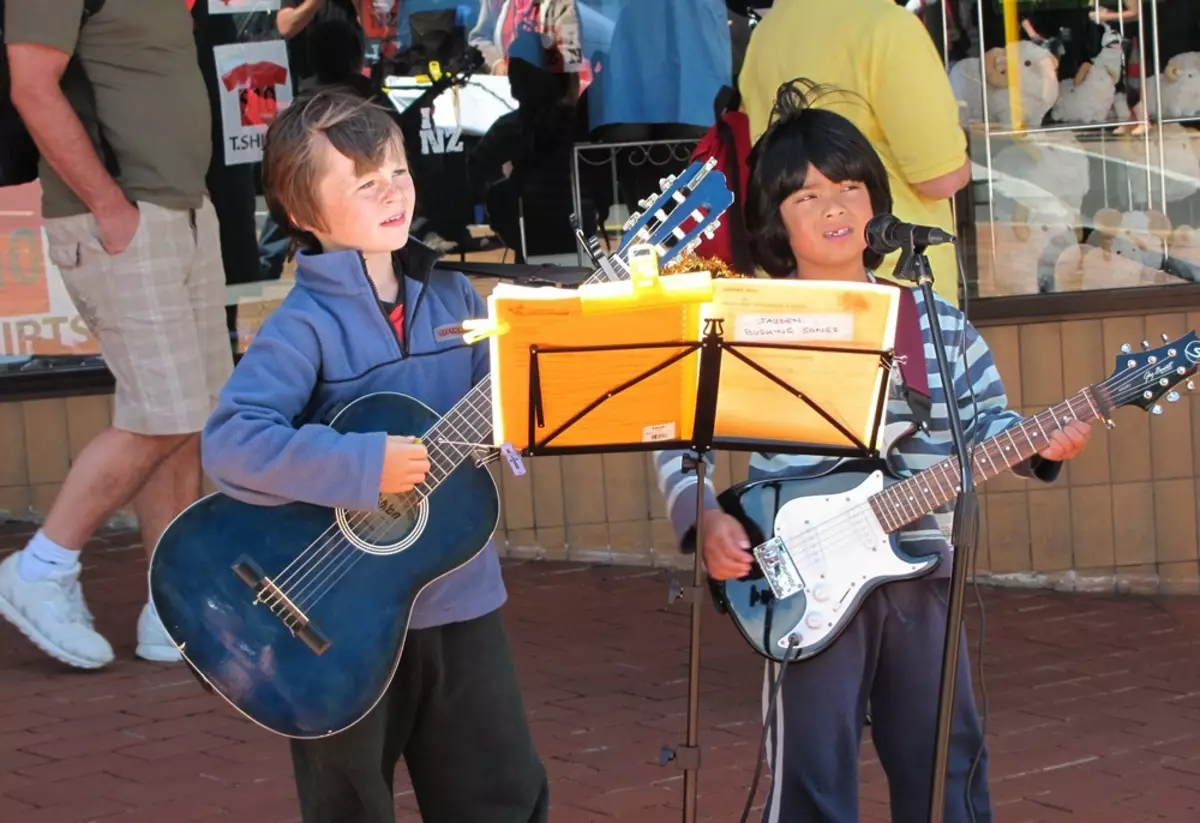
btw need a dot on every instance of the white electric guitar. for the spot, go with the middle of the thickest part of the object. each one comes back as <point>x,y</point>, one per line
<point>823,543</point>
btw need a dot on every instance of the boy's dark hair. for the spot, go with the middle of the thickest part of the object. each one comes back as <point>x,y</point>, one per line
<point>359,129</point>
<point>801,137</point>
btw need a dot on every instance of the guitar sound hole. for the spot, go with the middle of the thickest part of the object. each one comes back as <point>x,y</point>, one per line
<point>393,527</point>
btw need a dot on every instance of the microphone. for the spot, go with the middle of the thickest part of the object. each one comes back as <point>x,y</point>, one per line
<point>885,234</point>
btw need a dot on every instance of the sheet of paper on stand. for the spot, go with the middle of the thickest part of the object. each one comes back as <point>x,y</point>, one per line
<point>819,316</point>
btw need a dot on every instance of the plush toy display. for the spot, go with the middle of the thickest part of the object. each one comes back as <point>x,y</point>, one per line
<point>1088,97</point>
<point>1051,164</point>
<point>1183,254</point>
<point>1179,87</point>
<point>1038,77</point>
<point>1018,251</point>
<point>1178,173</point>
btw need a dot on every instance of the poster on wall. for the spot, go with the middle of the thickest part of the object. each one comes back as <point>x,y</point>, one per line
<point>240,6</point>
<point>255,86</point>
<point>36,313</point>
<point>380,18</point>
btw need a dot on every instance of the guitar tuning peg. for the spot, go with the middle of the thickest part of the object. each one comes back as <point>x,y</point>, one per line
<point>1156,410</point>
<point>1173,397</point>
<point>1191,385</point>
<point>1145,344</point>
<point>1166,339</point>
<point>1126,348</point>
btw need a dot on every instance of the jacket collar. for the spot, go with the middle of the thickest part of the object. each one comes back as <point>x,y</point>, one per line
<point>342,272</point>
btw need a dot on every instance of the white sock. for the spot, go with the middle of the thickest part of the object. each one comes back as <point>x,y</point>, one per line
<point>43,557</point>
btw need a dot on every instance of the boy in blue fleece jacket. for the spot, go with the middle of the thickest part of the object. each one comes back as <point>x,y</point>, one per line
<point>369,313</point>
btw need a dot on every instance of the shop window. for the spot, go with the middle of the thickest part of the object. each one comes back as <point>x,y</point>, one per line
<point>1084,125</point>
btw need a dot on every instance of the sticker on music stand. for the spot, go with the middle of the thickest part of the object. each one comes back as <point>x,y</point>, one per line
<point>255,85</point>
<point>240,6</point>
<point>515,463</point>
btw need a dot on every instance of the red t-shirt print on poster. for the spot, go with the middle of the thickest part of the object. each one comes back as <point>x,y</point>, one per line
<point>256,96</point>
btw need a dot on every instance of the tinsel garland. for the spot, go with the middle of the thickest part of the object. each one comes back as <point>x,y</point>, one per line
<point>689,262</point>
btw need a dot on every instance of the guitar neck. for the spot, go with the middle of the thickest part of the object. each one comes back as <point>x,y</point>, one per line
<point>468,426</point>
<point>910,500</point>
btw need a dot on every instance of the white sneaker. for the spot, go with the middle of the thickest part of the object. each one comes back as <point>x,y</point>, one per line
<point>52,613</point>
<point>154,643</point>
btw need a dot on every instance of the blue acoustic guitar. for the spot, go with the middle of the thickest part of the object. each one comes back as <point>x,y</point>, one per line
<point>297,614</point>
<point>822,544</point>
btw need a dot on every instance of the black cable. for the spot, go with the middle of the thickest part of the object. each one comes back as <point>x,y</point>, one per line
<point>975,761</point>
<point>767,719</point>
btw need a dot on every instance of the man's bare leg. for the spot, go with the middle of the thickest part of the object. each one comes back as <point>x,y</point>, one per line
<point>39,586</point>
<point>107,474</point>
<point>172,487</point>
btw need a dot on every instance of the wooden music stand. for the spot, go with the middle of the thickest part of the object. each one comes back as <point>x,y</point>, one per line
<point>661,382</point>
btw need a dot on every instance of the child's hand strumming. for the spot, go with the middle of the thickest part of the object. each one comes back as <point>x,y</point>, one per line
<point>405,464</point>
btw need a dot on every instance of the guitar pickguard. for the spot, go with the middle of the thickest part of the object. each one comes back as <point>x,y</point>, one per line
<point>828,550</point>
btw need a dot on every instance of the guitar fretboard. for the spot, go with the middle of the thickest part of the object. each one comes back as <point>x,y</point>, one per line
<point>909,500</point>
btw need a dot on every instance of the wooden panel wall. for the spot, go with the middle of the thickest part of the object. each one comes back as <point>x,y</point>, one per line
<point>1123,515</point>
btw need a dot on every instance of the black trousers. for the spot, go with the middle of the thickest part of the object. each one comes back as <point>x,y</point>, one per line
<point>889,657</point>
<point>454,713</point>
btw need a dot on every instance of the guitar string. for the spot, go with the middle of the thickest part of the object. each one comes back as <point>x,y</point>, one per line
<point>286,580</point>
<point>331,545</point>
<point>338,567</point>
<point>1118,392</point>
<point>294,587</point>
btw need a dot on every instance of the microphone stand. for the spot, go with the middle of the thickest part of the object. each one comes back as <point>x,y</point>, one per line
<point>914,265</point>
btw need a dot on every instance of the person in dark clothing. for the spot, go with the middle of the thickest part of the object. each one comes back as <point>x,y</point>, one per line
<point>231,188</point>
<point>299,21</point>
<point>535,143</point>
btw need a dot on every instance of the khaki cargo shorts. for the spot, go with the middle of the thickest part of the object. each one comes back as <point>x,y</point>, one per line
<point>157,310</point>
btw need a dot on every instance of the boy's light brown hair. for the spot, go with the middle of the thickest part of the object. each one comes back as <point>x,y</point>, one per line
<point>361,130</point>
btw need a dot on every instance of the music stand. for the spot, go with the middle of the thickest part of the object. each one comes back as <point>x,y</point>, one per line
<point>709,349</point>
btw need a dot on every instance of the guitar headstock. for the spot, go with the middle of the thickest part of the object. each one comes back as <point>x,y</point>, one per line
<point>1143,378</point>
<point>674,219</point>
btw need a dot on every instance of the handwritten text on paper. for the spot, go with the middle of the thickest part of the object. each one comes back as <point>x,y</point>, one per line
<point>794,327</point>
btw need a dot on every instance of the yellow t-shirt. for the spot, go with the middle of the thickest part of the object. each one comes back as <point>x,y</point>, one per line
<point>898,96</point>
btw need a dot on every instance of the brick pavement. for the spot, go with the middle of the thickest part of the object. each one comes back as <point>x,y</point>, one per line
<point>1095,710</point>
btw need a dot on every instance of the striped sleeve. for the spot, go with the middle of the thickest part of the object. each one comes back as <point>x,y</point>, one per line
<point>976,374</point>
<point>678,489</point>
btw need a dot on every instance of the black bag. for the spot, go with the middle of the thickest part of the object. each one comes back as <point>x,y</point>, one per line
<point>18,154</point>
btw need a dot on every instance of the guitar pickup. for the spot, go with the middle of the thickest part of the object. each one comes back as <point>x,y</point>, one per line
<point>778,568</point>
<point>269,594</point>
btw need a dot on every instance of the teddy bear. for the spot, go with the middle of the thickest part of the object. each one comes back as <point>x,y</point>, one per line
<point>1088,97</point>
<point>1038,73</point>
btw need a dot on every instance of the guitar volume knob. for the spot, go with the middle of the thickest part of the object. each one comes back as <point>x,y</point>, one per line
<point>820,593</point>
<point>814,620</point>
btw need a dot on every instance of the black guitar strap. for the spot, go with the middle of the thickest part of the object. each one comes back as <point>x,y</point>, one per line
<point>910,359</point>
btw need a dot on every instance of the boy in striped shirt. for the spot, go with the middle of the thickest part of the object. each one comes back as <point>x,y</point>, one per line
<point>815,183</point>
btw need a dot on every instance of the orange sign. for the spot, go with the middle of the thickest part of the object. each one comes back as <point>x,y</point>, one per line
<point>36,314</point>
<point>23,286</point>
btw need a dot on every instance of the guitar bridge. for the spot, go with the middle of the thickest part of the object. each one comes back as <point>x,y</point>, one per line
<point>778,568</point>
<point>267,593</point>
